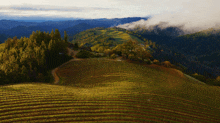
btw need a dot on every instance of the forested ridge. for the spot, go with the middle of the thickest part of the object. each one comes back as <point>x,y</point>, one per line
<point>30,59</point>
<point>199,51</point>
<point>11,28</point>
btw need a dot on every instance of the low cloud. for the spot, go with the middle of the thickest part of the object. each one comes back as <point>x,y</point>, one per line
<point>195,16</point>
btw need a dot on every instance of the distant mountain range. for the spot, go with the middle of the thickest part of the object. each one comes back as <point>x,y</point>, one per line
<point>11,28</point>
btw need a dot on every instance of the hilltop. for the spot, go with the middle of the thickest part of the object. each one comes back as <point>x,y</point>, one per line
<point>104,36</point>
<point>111,91</point>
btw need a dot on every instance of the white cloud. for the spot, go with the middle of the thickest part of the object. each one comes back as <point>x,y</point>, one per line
<point>191,13</point>
<point>91,8</point>
<point>195,15</point>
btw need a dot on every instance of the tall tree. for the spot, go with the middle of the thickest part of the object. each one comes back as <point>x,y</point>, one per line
<point>65,36</point>
<point>52,34</point>
<point>57,35</point>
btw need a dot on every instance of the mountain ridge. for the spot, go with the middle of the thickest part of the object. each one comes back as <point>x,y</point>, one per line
<point>6,26</point>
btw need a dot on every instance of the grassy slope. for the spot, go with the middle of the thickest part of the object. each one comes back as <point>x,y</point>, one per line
<point>107,90</point>
<point>90,36</point>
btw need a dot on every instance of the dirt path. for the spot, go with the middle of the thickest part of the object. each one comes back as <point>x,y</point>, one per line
<point>54,71</point>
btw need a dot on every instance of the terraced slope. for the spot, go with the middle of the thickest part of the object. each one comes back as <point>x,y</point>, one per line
<point>111,91</point>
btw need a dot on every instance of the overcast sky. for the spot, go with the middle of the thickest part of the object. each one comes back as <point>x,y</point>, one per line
<point>89,8</point>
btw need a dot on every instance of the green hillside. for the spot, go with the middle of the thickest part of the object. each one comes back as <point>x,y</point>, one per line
<point>104,36</point>
<point>105,90</point>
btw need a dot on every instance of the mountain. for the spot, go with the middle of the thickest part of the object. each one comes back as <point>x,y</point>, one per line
<point>3,37</point>
<point>76,29</point>
<point>20,29</point>
<point>199,51</point>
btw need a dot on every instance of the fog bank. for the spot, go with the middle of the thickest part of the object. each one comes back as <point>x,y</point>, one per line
<point>195,16</point>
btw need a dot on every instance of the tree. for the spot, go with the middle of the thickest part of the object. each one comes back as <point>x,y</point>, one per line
<point>128,47</point>
<point>51,45</point>
<point>101,49</point>
<point>113,56</point>
<point>57,35</point>
<point>52,34</point>
<point>43,45</point>
<point>65,36</point>
<point>218,78</point>
<point>76,46</point>
<point>167,64</point>
<point>155,61</point>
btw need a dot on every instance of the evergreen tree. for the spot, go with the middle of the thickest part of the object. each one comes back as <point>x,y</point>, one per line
<point>52,34</point>
<point>65,36</point>
<point>57,35</point>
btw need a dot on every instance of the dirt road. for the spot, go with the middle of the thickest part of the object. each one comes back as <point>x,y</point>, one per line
<point>53,72</point>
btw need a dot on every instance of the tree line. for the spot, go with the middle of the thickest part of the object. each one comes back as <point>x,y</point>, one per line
<point>31,59</point>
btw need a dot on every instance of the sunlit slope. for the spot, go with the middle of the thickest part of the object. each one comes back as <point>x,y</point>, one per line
<point>112,91</point>
<point>108,36</point>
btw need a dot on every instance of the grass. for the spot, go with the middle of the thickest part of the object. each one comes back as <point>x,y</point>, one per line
<point>101,90</point>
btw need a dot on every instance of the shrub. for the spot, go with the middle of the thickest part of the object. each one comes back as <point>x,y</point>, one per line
<point>84,54</point>
<point>132,57</point>
<point>167,64</point>
<point>113,56</point>
<point>155,61</point>
<point>218,78</point>
<point>149,62</point>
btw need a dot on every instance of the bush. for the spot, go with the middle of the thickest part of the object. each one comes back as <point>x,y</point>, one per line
<point>84,54</point>
<point>156,61</point>
<point>149,62</point>
<point>132,57</point>
<point>113,56</point>
<point>167,64</point>
<point>218,78</point>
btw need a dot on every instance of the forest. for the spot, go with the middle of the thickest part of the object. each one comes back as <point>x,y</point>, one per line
<point>31,59</point>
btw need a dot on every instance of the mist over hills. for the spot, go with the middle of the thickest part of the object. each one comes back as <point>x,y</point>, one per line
<point>12,28</point>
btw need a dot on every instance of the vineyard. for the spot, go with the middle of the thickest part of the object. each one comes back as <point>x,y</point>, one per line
<point>103,90</point>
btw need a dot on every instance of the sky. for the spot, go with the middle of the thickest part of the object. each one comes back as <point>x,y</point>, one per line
<point>88,9</point>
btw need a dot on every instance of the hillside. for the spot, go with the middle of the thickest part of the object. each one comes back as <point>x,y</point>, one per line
<point>201,48</point>
<point>103,36</point>
<point>104,90</point>
<point>199,52</point>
